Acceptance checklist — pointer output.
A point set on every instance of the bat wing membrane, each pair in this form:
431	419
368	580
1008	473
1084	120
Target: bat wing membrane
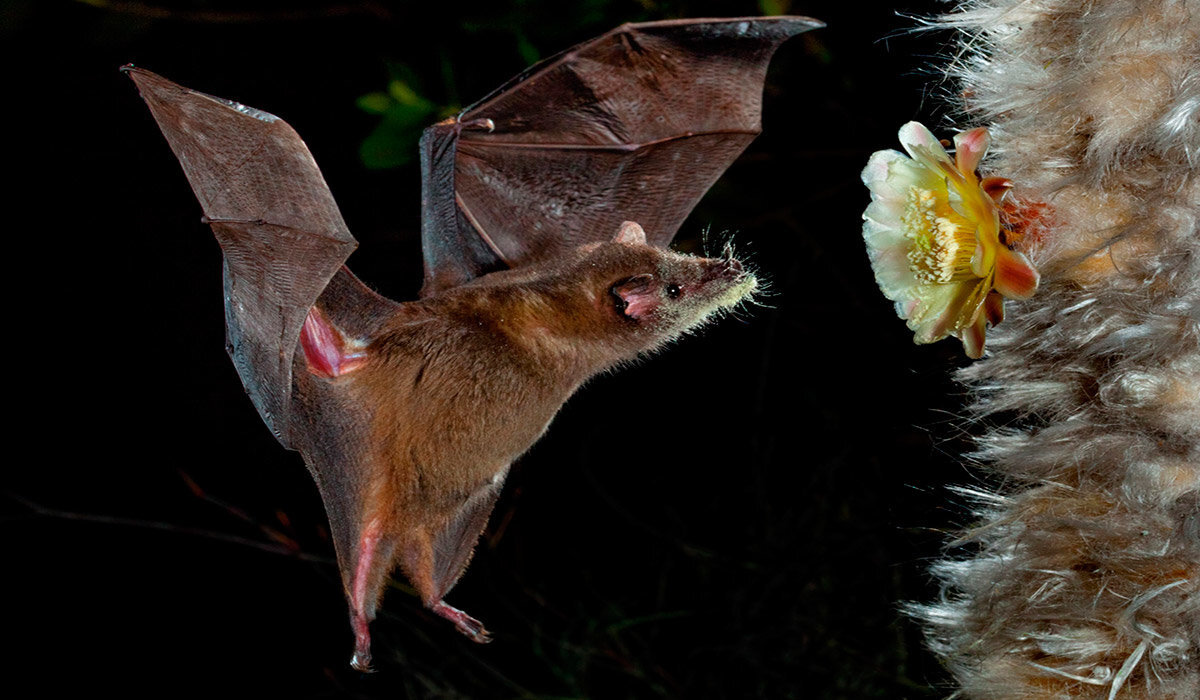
633	125
454	542
280	230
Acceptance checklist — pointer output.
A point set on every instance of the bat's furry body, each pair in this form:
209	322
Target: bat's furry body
461	384
536	277
1082	578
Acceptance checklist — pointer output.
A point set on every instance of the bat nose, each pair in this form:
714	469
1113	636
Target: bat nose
724	269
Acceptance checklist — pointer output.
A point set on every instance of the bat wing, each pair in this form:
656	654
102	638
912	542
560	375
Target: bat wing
454	542
280	230
634	125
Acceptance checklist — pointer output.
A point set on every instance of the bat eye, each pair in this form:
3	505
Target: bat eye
674	291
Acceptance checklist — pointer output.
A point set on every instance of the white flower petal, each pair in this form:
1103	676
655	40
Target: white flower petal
923	146
886	211
893	274
879	166
933	303
932	236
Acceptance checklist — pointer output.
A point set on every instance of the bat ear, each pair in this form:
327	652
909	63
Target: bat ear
636	296
630	233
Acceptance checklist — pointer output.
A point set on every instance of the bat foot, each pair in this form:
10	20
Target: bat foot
361	661
463	622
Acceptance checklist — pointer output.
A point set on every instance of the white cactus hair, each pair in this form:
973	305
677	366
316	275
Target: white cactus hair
1081	578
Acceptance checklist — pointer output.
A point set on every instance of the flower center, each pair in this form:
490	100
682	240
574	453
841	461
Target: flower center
942	241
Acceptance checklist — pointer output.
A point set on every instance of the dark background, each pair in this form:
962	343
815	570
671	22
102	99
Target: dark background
739	516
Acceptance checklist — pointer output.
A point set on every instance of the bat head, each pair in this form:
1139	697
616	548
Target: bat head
649	296
604	303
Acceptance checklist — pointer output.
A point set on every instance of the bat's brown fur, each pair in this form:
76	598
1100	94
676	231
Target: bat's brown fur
408	414
1083	578
464	382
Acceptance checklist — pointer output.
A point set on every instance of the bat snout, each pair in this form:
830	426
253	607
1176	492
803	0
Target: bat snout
723	269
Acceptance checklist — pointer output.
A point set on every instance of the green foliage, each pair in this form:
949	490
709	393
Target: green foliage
774	7
407	105
405	113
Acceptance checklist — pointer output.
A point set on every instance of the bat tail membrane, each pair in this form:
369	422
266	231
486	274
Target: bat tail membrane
280	230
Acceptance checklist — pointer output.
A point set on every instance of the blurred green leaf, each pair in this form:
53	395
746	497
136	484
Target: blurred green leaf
405	95
528	51
393	143
774	7
818	49
405	113
374	102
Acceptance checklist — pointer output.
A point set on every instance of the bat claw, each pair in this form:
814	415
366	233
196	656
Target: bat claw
463	622
361	661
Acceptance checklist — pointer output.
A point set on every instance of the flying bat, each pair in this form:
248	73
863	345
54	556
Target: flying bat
547	206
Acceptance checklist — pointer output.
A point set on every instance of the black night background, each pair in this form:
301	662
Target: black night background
740	516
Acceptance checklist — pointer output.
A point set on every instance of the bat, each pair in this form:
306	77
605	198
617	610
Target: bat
547	209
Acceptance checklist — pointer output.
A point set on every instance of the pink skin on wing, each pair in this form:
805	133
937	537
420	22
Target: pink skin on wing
326	349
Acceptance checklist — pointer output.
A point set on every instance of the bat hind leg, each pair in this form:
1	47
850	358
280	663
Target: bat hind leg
463	622
361	660
424	567
370	572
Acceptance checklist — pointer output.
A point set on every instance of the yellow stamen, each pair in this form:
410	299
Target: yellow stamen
942	243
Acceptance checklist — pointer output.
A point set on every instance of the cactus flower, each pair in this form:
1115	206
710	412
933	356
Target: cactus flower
934	238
